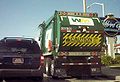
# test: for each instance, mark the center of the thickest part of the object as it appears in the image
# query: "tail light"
(94, 53)
(42, 59)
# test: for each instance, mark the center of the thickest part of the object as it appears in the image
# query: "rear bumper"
(96, 74)
(21, 72)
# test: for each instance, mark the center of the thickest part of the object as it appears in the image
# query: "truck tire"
(48, 66)
(52, 70)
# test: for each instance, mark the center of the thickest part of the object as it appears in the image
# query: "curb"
(117, 79)
(109, 76)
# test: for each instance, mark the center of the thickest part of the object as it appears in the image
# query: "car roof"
(17, 39)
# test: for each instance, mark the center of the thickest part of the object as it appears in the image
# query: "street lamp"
(101, 4)
(84, 6)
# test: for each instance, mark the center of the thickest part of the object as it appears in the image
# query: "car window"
(23, 46)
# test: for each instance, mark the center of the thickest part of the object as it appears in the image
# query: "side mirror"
(39, 39)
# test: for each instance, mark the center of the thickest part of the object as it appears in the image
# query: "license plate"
(17, 60)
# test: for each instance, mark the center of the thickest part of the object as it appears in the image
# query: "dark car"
(20, 57)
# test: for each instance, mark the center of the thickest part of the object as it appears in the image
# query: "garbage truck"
(72, 44)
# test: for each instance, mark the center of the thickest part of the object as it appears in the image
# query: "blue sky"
(22, 17)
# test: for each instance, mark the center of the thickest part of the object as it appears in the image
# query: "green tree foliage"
(116, 60)
(106, 60)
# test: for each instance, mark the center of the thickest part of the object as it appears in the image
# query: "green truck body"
(71, 39)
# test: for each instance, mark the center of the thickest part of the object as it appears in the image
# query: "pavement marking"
(117, 79)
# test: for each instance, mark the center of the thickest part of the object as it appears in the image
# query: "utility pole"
(84, 6)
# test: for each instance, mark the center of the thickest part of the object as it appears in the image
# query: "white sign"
(48, 37)
(80, 21)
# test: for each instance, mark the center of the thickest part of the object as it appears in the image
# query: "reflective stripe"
(68, 30)
(96, 32)
(79, 63)
(88, 31)
(78, 31)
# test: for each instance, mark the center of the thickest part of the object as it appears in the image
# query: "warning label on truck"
(85, 40)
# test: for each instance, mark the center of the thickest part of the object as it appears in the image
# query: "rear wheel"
(47, 66)
(52, 70)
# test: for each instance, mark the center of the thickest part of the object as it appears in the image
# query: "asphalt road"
(105, 70)
(48, 79)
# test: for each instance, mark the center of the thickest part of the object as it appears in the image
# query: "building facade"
(117, 48)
